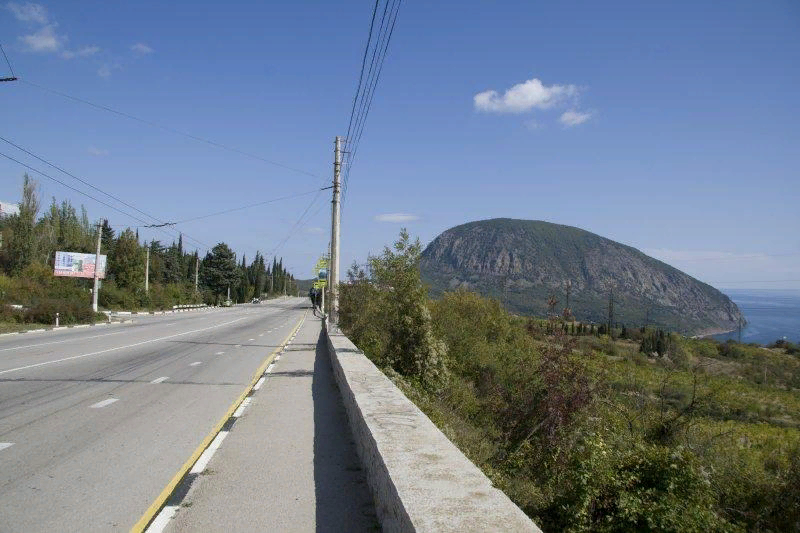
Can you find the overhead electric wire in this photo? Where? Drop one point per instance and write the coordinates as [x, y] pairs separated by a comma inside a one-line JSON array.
[[295, 225], [288, 197], [363, 63], [360, 95], [169, 129], [379, 52], [134, 217], [46, 162], [10, 68]]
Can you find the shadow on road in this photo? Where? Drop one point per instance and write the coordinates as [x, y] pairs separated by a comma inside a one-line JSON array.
[[344, 503]]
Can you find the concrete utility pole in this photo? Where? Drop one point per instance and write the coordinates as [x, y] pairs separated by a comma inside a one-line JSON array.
[[96, 267], [147, 273], [196, 270], [333, 277], [611, 312]]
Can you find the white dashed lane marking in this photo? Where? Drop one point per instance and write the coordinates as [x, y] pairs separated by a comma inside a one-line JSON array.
[[196, 363], [241, 408], [270, 367], [104, 403], [202, 463], [162, 379], [162, 519], [4, 445], [238, 345], [219, 353], [248, 340], [259, 383]]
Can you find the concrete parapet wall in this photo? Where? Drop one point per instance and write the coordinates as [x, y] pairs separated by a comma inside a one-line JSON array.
[[420, 481]]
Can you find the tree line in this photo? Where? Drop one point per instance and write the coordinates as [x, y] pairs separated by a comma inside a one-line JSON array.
[[30, 239]]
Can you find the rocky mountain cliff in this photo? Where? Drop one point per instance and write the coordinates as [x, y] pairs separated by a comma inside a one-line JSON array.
[[524, 262]]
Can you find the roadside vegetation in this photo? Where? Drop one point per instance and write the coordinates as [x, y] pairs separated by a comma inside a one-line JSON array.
[[30, 295], [589, 429]]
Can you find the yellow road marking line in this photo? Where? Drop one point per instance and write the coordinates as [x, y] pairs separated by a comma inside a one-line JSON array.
[[162, 498]]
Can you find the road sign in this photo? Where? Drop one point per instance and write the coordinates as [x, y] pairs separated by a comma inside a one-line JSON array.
[[78, 265], [320, 284], [322, 265]]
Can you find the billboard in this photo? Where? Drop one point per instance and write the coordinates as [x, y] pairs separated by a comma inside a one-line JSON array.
[[78, 265]]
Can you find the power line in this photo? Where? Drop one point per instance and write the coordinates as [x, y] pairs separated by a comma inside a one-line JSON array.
[[10, 68], [379, 52], [289, 197], [363, 63], [134, 217], [296, 225], [169, 129], [73, 176], [60, 169]]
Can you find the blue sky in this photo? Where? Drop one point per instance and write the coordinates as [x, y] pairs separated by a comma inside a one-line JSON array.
[[672, 127]]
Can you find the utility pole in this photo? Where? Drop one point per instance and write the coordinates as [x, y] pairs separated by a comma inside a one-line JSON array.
[[96, 267], [740, 333], [271, 280], [196, 270], [333, 278], [147, 273]]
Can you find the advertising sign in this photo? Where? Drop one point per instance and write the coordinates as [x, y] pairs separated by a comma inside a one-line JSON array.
[[78, 265], [321, 272]]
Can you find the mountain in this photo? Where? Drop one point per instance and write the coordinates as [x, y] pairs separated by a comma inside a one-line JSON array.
[[524, 262]]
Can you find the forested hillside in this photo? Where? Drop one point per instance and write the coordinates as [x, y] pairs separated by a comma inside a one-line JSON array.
[[31, 238], [632, 429]]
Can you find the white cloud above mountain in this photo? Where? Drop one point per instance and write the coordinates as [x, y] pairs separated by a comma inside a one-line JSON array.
[[396, 217]]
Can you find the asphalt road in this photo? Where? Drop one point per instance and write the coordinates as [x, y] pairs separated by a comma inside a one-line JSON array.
[[94, 422]]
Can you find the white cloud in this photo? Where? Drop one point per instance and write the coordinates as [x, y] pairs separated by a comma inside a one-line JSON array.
[[314, 230], [141, 49], [44, 40], [396, 217], [573, 118], [98, 152], [525, 96], [86, 51], [28, 12]]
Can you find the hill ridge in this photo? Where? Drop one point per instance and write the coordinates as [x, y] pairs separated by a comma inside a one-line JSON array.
[[523, 262]]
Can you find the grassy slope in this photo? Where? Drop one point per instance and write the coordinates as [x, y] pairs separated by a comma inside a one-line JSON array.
[[734, 431]]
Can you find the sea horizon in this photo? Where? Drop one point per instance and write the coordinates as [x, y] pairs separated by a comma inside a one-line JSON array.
[[771, 314]]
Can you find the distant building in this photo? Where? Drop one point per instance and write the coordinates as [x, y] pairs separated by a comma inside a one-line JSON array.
[[7, 209]]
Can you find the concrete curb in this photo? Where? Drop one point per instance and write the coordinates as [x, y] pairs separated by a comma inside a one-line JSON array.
[[113, 313], [420, 481], [59, 328]]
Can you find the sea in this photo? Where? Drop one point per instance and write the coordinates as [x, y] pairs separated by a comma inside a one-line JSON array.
[[770, 314]]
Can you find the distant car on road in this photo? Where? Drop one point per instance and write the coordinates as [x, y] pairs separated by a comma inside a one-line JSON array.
[[256, 301], [227, 303]]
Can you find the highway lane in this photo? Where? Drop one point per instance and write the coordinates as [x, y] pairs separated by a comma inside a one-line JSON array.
[[97, 421]]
